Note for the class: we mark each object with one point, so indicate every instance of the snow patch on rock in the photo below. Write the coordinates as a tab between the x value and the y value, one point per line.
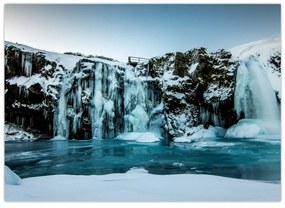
199	132
15	133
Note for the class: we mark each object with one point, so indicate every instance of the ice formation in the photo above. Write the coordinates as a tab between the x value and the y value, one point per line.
115	99
255	100
254	96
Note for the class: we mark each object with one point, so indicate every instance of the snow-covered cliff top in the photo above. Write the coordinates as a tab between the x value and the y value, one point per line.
66	60
262	48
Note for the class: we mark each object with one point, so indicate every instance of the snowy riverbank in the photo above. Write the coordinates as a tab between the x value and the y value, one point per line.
140	186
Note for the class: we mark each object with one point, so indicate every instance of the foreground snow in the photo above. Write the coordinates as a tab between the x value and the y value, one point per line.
139	185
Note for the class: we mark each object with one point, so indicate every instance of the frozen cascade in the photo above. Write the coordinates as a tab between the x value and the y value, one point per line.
254	96
60	123
106	100
256	102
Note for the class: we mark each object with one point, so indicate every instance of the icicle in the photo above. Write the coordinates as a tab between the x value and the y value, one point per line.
26	93
61	123
215	115
26	63
76	122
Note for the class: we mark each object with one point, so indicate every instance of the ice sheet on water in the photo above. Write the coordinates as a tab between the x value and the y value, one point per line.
139	137
137	170
58	137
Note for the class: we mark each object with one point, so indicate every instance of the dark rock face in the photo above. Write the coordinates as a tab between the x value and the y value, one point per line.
28	107
198	88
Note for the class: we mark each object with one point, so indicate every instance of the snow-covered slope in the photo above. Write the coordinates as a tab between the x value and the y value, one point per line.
268	53
67	60
262	48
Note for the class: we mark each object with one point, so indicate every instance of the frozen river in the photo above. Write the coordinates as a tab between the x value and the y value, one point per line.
245	159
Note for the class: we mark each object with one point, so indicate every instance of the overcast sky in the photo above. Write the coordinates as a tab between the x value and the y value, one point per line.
119	31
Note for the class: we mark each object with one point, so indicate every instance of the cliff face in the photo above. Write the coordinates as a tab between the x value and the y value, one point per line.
198	88
78	97
87	97
30	89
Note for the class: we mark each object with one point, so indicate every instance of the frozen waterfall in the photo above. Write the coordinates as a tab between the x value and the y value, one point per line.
255	103
254	96
101	101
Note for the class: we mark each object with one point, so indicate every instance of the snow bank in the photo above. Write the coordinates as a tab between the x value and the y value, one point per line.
253	128
200	132
262	48
11	178
138	185
15	133
139	137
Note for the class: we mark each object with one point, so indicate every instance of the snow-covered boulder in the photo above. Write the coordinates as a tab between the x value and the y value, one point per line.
15	133
252	128
199	132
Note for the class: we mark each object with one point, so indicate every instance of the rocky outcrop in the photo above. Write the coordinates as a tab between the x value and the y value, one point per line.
198	89
29	101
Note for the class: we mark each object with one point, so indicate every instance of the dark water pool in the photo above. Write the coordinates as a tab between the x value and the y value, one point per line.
246	159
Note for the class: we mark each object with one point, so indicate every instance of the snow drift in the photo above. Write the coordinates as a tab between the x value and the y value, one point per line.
139	186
